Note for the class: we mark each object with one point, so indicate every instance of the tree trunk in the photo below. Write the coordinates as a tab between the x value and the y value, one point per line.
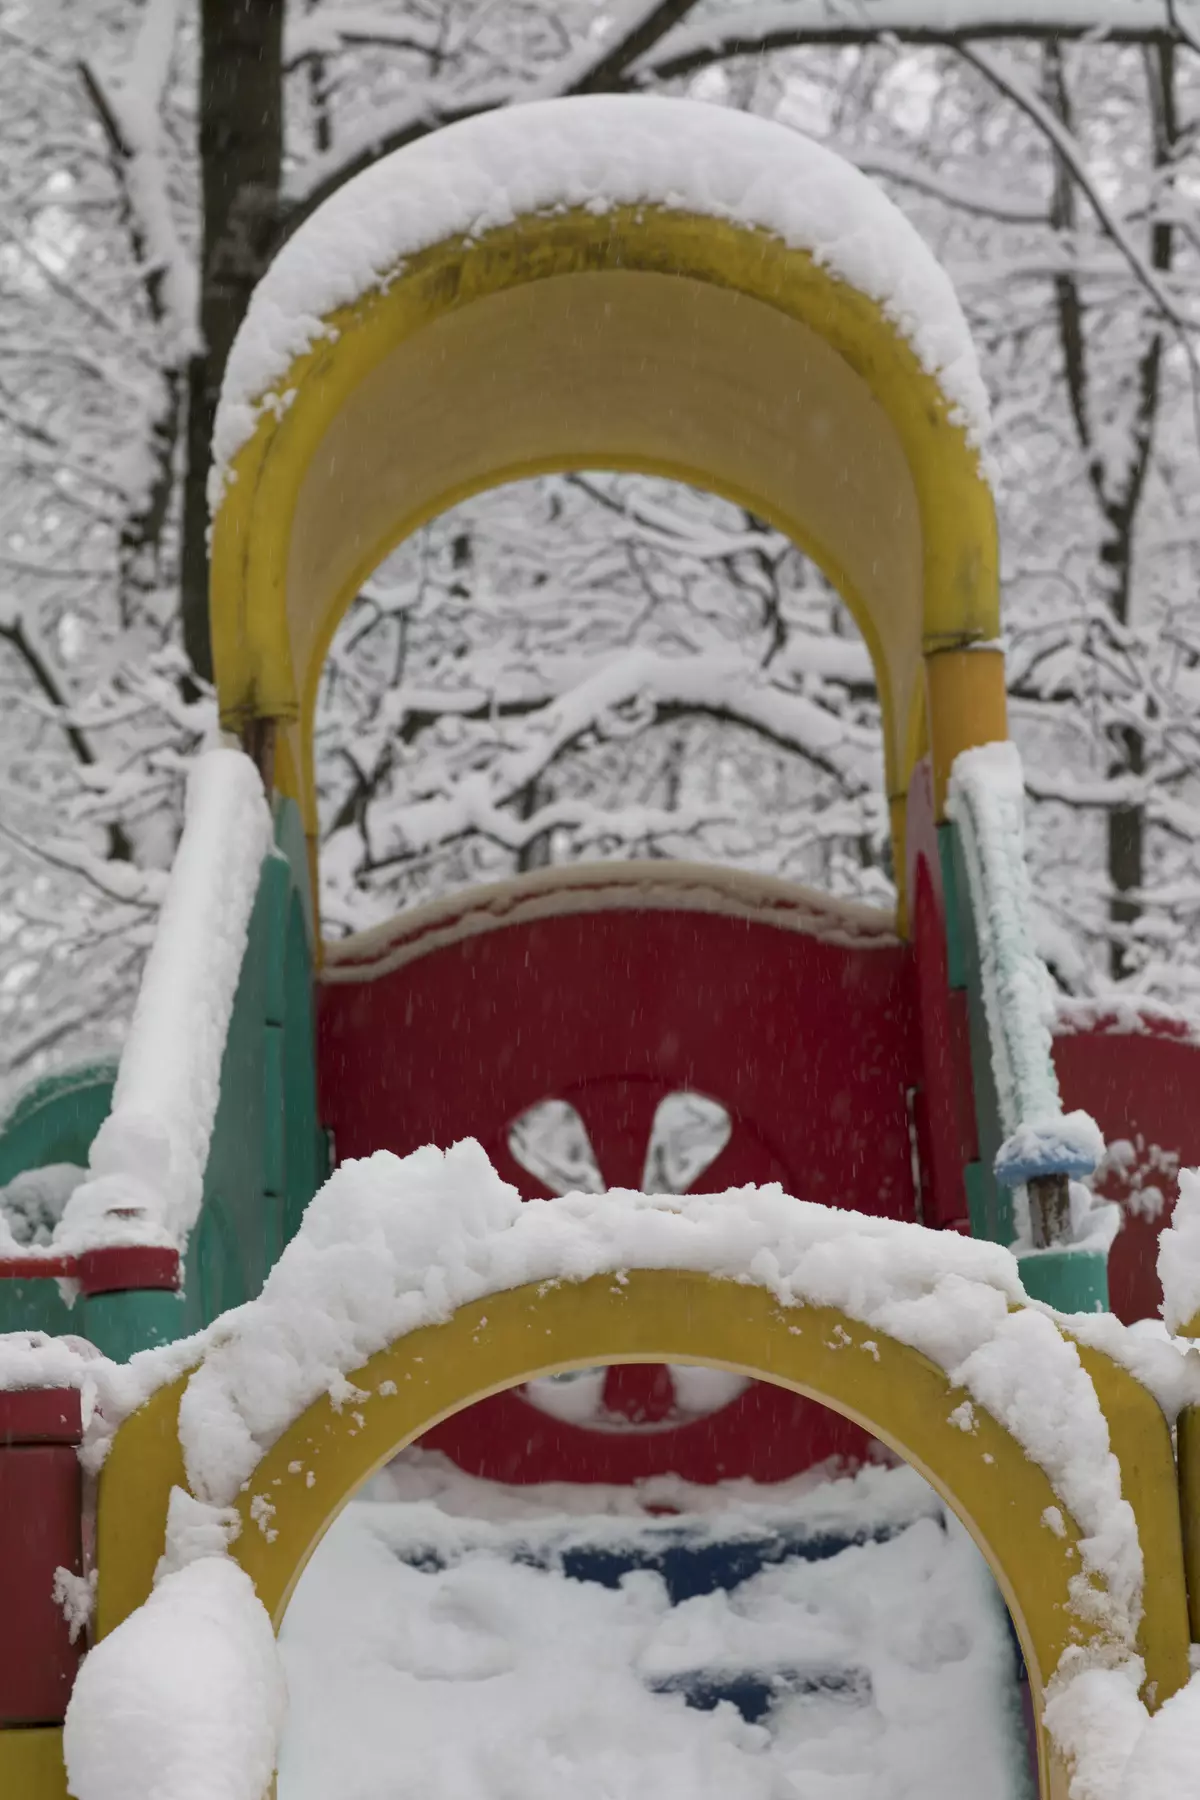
1118	494
241	155
1127	824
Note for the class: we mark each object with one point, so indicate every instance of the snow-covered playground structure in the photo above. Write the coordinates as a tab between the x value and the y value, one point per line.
219	1336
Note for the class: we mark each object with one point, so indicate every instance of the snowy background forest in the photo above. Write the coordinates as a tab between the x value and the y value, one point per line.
589	665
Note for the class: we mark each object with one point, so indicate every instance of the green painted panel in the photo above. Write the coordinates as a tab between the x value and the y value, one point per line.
306	1159
38	1306
122	1324
292	844
275	895
53	1122
957	957
274	1122
264	1163
1069	1280
233	1179
56	1120
213	1274
991	1205
980	1199
267	1155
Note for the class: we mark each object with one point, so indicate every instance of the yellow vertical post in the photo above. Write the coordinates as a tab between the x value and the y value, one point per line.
31	1763
968	706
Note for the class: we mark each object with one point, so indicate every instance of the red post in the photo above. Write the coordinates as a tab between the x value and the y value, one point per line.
41	1494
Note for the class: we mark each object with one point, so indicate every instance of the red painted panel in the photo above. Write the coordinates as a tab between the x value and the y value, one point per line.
1142	1087
110	1269
811	1046
40	1416
766	1434
40	1501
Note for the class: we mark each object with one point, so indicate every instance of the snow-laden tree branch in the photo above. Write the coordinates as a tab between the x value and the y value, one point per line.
712	687
1009	83
129	106
758	30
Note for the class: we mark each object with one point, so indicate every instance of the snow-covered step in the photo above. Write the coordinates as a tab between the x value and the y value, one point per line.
451	1644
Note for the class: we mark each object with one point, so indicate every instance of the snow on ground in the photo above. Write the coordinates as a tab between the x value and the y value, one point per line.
597	152
435	1647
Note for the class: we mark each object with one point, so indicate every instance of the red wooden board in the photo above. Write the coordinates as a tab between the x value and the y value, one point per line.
810	1045
40	1500
109	1269
1141	1087
40	1416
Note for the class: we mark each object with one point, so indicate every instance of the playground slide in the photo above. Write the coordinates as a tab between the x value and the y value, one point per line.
749	1641
238	1344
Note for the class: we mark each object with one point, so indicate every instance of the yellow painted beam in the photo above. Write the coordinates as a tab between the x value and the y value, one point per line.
650	340
31	1763
144	1462
1141	1442
983	1474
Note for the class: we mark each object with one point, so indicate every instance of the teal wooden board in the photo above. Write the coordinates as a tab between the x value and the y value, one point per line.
1069	1280
38	1306
267	1155
56	1120
53	1122
990	1205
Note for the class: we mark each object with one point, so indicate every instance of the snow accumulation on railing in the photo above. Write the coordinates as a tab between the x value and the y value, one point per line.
1043	1147
146	1166
598	152
391	1245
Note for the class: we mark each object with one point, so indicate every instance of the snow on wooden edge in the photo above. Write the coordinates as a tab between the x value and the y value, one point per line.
597	152
147	1163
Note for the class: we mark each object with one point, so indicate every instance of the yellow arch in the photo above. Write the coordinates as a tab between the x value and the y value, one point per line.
669	1315
648	339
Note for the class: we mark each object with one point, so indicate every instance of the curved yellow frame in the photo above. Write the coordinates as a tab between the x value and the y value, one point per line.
645	339
669	1315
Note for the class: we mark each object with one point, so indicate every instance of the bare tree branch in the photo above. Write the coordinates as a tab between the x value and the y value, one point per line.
119	847
606	67
1010	84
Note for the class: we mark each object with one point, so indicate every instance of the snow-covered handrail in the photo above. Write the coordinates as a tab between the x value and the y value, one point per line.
146	1166
1043	1146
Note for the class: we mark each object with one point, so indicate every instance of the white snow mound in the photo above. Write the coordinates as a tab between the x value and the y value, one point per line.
184	1700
